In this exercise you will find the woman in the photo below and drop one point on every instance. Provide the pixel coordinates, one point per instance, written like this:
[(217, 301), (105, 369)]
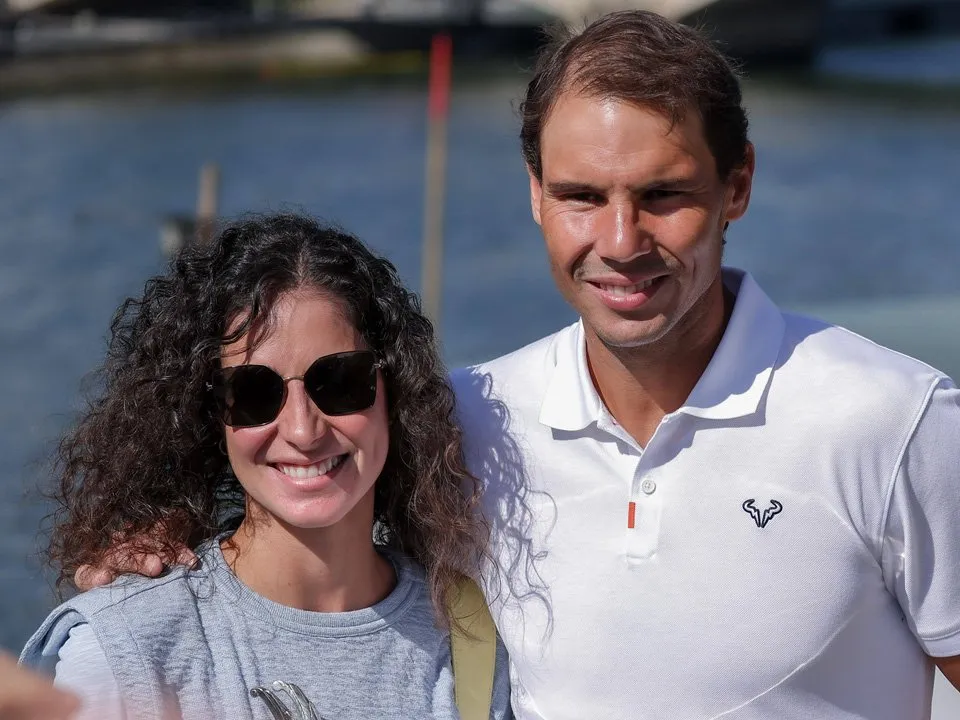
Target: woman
[(276, 399)]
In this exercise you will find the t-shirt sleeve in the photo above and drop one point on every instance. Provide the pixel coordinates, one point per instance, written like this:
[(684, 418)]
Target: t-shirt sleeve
[(83, 669), (921, 542)]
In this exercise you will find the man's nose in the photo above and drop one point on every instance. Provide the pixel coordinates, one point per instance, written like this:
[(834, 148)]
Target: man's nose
[(621, 234)]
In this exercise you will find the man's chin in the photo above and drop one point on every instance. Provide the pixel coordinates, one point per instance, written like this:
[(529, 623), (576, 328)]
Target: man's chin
[(630, 334)]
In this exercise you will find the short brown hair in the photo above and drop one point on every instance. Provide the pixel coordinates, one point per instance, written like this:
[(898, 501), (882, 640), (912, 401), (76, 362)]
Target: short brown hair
[(642, 58)]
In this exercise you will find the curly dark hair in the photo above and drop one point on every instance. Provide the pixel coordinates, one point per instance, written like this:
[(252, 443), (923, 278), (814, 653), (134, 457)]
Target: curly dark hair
[(640, 57), (147, 459)]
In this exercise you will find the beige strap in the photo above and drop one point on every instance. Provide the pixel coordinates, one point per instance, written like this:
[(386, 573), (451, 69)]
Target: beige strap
[(473, 657)]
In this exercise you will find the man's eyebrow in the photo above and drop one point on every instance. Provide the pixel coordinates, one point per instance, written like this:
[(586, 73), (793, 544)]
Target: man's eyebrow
[(570, 187), (666, 182), (574, 187)]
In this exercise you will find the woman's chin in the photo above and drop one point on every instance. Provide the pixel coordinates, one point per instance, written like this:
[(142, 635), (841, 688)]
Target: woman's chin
[(314, 513)]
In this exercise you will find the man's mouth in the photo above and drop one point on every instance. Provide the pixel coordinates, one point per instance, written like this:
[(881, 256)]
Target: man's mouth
[(624, 290), (624, 297)]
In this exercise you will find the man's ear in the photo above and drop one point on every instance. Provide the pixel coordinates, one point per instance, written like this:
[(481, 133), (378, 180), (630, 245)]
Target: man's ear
[(739, 186), (536, 195)]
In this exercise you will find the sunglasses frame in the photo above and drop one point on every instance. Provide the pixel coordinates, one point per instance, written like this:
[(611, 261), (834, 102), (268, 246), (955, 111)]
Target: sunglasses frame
[(222, 376)]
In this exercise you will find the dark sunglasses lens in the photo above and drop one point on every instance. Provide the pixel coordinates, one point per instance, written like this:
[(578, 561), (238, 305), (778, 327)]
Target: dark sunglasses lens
[(343, 383), (253, 395)]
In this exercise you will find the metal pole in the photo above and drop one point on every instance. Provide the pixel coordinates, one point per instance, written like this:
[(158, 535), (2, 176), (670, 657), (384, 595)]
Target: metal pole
[(208, 200), (441, 57)]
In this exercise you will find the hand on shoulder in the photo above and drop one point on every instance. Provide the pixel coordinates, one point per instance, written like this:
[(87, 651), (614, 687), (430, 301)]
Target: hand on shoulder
[(142, 555)]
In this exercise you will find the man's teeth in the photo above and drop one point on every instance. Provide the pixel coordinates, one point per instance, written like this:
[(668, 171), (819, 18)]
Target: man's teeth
[(302, 472), (624, 290)]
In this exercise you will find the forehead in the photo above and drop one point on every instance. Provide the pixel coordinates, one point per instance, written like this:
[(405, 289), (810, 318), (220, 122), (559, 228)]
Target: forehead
[(583, 134), (301, 324)]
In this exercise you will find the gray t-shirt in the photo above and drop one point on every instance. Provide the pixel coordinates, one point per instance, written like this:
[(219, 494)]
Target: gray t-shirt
[(194, 643)]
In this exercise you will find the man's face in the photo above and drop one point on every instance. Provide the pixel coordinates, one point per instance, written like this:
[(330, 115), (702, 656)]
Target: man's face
[(633, 212)]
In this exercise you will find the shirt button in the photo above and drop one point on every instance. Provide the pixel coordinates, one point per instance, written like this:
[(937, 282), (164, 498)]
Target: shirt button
[(648, 487)]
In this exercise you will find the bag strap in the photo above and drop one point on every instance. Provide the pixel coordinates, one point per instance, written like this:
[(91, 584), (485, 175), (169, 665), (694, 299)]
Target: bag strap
[(473, 657)]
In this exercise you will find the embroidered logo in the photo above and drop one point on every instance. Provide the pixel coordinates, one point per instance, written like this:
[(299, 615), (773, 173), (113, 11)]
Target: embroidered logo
[(762, 518), (302, 708)]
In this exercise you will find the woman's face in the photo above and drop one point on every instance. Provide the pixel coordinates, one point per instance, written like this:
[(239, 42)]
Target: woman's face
[(307, 469)]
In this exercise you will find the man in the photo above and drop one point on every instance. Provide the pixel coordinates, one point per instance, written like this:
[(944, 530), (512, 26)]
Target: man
[(700, 507)]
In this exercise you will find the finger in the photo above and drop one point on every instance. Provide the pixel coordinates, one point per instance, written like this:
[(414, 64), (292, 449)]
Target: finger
[(88, 577), (122, 547), (150, 565), (188, 558), (136, 560)]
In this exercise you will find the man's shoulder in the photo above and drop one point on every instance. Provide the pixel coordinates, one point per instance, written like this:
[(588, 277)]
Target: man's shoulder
[(520, 360), (523, 372), (822, 358), (838, 345), (496, 397)]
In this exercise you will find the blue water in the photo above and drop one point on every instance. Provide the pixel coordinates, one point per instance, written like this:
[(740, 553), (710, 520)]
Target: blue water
[(854, 210), (919, 62)]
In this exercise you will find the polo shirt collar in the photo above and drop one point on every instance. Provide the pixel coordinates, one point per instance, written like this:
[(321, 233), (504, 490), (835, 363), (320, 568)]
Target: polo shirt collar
[(739, 372), (571, 401), (732, 385)]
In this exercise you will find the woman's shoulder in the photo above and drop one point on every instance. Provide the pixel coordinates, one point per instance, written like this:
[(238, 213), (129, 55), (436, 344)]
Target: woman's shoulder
[(130, 606), (170, 593), (410, 601), (139, 626)]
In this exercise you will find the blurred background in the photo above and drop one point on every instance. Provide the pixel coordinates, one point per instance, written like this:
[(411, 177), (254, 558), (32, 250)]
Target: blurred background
[(121, 121)]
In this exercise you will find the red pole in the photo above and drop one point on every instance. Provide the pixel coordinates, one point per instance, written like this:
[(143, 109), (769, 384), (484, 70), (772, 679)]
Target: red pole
[(438, 107), (441, 56)]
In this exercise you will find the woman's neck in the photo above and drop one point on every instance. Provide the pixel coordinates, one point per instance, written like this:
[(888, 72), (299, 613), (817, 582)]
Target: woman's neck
[(321, 570)]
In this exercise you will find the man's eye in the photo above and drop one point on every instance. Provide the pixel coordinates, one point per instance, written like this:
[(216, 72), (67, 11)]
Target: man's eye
[(583, 197), (661, 194)]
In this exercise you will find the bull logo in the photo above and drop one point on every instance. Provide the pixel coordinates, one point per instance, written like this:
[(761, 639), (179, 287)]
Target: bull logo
[(761, 518)]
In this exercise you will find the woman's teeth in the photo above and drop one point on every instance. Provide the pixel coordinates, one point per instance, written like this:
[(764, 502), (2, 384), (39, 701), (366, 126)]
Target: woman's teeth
[(303, 472), (624, 290)]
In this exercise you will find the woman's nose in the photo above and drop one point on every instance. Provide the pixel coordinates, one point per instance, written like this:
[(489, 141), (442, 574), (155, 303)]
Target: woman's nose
[(300, 422)]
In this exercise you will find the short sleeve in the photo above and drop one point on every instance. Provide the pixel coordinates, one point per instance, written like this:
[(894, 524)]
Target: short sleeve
[(921, 541), (83, 669)]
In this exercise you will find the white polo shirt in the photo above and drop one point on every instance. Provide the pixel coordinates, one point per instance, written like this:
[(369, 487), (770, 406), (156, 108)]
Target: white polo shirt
[(786, 546)]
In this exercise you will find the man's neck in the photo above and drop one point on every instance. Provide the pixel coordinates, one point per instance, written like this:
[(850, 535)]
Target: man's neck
[(639, 386), (333, 569)]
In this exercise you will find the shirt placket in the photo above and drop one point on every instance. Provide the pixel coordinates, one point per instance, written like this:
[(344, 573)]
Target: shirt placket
[(644, 496)]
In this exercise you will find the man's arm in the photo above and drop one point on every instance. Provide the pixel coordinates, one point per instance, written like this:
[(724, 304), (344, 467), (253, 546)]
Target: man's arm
[(921, 545)]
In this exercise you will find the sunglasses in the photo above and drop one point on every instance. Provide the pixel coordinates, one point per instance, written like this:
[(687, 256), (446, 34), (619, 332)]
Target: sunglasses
[(338, 384)]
